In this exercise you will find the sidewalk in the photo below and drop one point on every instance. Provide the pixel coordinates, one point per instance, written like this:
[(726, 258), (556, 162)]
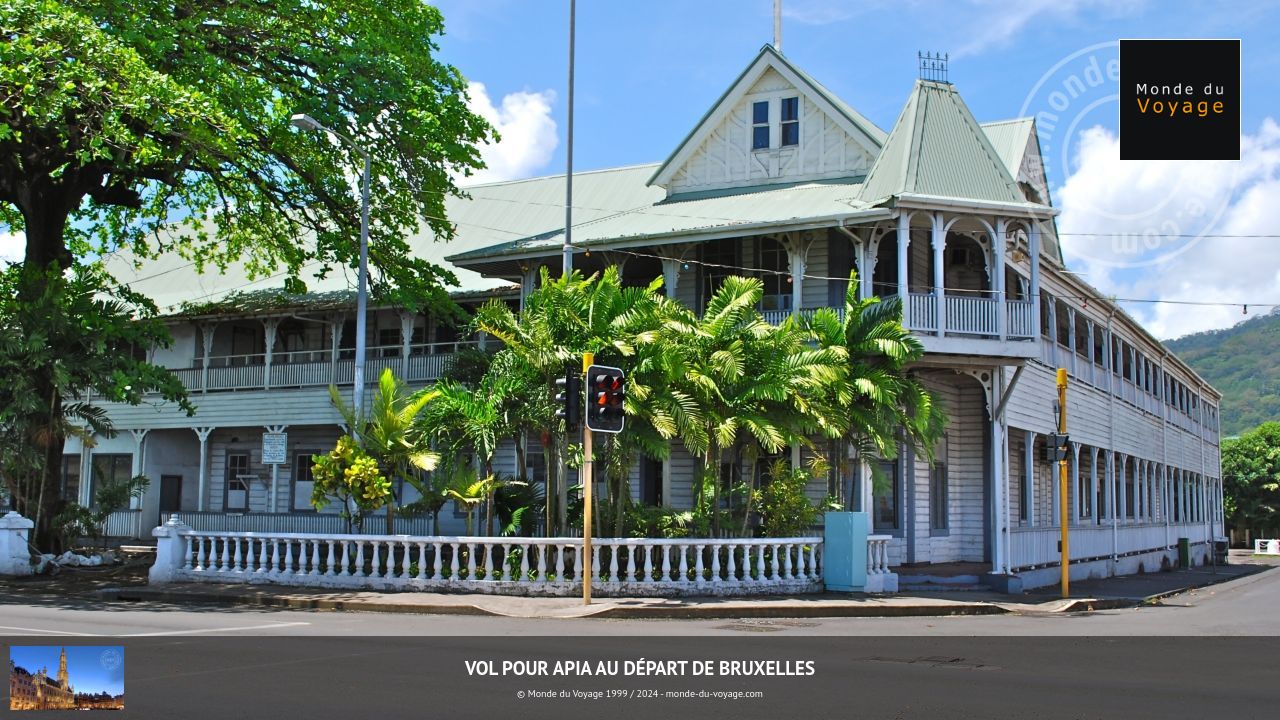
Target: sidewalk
[(1087, 595)]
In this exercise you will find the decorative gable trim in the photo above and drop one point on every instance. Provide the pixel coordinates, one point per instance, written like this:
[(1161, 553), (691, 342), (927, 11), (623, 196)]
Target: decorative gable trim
[(866, 135)]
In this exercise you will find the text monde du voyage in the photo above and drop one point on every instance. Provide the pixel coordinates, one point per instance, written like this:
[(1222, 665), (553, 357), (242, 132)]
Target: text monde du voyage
[(641, 667), (1179, 99)]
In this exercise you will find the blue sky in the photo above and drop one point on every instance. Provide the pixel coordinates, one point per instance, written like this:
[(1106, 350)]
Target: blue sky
[(90, 668), (646, 72)]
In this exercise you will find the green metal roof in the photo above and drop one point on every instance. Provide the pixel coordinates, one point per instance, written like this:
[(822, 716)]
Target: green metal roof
[(694, 213), (937, 149), (1009, 139)]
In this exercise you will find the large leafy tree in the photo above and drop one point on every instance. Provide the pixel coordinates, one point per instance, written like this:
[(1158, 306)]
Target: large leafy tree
[(156, 127), (1251, 480), (82, 336)]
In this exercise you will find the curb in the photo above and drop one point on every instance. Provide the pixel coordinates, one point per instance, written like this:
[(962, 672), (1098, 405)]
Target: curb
[(710, 611), (692, 612)]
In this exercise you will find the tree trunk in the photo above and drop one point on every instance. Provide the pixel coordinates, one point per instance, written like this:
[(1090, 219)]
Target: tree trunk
[(44, 214)]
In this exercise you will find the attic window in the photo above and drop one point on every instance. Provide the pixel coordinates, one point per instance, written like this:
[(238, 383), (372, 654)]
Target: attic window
[(760, 125), (790, 121)]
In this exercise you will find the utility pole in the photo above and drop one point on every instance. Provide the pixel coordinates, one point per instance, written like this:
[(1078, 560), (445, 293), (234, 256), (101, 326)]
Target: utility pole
[(568, 153), (1061, 449), (588, 359)]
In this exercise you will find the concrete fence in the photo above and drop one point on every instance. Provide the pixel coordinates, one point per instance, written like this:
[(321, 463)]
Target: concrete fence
[(15, 554), (495, 565)]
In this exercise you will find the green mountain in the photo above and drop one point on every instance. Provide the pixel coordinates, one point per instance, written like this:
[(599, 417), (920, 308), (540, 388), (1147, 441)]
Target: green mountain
[(1243, 363)]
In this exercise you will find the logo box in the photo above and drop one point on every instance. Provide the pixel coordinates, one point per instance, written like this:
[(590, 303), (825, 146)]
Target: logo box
[(1179, 99)]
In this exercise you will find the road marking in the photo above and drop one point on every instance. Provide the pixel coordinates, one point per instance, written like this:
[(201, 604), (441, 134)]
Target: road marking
[(41, 631), (268, 626)]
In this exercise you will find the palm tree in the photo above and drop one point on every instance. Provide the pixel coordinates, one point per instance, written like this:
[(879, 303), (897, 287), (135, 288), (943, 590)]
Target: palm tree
[(389, 433), (564, 318), (877, 395), (747, 379)]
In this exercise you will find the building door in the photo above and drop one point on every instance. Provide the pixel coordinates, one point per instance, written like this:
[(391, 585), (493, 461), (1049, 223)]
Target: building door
[(170, 493)]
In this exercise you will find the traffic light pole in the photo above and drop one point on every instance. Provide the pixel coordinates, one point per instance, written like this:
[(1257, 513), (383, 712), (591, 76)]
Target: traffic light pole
[(587, 465), (1062, 484)]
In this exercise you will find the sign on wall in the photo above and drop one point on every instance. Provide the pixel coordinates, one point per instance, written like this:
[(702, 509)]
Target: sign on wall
[(274, 448)]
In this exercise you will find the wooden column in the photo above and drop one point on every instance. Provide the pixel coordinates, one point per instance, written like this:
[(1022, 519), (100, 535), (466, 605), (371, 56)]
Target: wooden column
[(938, 241), (904, 242), (997, 280), (203, 434)]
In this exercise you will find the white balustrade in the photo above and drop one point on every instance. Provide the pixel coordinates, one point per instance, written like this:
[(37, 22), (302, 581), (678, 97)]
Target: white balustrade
[(1021, 319), (971, 315), (502, 565), (880, 579), (922, 311)]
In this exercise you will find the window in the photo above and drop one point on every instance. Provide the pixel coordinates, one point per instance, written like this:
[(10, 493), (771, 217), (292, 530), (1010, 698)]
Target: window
[(773, 262), (939, 500), (389, 342), (238, 478), (1084, 506), (109, 469), (760, 126), (720, 260), (1046, 315), (885, 498), (790, 121), (302, 481), (71, 478)]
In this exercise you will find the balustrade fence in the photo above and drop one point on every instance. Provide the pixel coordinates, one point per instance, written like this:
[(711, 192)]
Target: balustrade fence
[(497, 565)]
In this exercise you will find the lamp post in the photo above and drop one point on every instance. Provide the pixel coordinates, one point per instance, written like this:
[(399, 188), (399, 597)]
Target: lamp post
[(308, 123)]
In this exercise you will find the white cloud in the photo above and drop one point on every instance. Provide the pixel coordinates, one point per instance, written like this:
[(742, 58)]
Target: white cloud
[(1138, 205), (528, 133), (13, 246)]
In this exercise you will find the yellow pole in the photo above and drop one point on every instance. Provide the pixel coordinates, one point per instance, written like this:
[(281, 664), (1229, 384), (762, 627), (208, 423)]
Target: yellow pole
[(1062, 485), (587, 360)]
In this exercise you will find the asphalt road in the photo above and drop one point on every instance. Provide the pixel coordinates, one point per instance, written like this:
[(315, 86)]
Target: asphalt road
[(1244, 607), (238, 662)]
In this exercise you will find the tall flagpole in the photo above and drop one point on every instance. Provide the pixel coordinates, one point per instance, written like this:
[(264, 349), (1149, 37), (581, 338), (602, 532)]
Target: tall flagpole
[(777, 25)]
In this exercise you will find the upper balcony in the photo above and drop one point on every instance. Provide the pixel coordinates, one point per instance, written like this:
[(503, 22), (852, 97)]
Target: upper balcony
[(426, 362)]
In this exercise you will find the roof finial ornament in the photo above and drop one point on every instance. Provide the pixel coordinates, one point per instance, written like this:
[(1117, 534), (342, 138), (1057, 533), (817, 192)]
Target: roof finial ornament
[(933, 66), (777, 25)]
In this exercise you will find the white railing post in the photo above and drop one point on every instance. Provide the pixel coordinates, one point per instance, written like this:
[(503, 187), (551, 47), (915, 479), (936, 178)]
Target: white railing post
[(172, 551), (15, 555)]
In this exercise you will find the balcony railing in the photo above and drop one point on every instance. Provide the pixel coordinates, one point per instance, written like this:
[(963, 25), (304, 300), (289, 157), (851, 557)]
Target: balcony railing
[(318, 368), (971, 315), (923, 311)]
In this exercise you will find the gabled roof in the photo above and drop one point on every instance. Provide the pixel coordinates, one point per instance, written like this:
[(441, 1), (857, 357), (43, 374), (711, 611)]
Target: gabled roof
[(855, 123), (937, 149), (1009, 139)]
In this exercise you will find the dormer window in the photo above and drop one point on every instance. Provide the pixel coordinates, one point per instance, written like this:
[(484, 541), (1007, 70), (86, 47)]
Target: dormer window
[(760, 125), (790, 121)]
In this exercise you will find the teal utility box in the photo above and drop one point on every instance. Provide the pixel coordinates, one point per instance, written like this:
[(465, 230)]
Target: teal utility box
[(844, 551)]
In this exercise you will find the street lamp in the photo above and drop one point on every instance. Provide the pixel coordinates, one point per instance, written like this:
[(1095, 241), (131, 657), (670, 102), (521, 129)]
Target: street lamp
[(310, 124)]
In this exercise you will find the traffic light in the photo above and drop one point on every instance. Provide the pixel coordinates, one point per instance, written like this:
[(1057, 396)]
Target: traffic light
[(606, 389), (569, 398)]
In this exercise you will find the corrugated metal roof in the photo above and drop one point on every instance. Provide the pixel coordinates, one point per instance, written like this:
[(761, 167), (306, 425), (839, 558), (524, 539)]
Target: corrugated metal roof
[(695, 213), (1009, 139), (496, 213), (936, 148)]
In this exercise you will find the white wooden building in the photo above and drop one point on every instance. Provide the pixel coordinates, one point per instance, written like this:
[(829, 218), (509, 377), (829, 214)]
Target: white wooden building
[(951, 215)]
